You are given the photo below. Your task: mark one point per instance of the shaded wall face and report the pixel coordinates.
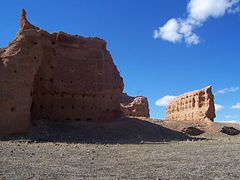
(18, 65)
(194, 106)
(77, 80)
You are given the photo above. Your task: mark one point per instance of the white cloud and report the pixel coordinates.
(236, 106)
(230, 121)
(231, 116)
(227, 90)
(192, 39)
(169, 31)
(164, 101)
(201, 10)
(235, 10)
(218, 107)
(176, 30)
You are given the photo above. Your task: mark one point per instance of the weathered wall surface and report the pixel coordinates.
(55, 76)
(19, 62)
(78, 81)
(193, 106)
(134, 106)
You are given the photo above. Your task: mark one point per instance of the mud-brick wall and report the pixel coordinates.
(55, 76)
(18, 65)
(77, 81)
(73, 107)
(194, 106)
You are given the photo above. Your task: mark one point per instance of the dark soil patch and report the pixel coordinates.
(192, 131)
(230, 131)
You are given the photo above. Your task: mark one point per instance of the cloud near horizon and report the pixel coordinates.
(231, 117)
(198, 11)
(230, 121)
(165, 100)
(236, 106)
(218, 107)
(227, 90)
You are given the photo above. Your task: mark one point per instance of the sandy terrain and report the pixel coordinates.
(125, 149)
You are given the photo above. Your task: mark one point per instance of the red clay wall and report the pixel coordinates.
(57, 77)
(78, 81)
(192, 106)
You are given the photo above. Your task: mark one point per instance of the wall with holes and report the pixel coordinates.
(19, 63)
(78, 81)
(59, 107)
(196, 105)
(56, 77)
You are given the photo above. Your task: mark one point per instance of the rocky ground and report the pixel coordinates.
(126, 149)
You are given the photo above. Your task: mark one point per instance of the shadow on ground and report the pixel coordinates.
(119, 131)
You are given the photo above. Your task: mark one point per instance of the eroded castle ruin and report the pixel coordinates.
(192, 106)
(57, 77)
(134, 106)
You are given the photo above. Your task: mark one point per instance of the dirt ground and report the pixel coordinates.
(123, 149)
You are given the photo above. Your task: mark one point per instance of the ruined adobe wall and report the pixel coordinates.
(55, 76)
(19, 62)
(134, 106)
(77, 81)
(193, 106)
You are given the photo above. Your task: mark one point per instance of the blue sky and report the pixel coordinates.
(153, 67)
